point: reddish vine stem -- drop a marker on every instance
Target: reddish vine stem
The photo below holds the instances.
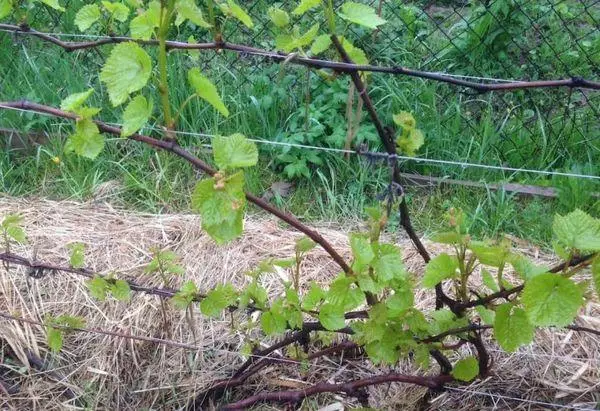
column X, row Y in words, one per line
column 85, row 272
column 219, row 387
column 508, row 292
column 352, row 388
column 173, row 147
column 574, row 82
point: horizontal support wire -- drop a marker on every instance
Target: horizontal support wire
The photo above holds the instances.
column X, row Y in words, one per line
column 154, row 340
column 367, row 154
column 295, row 58
column 522, row 400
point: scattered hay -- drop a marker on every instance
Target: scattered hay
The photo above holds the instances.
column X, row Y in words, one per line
column 107, row 372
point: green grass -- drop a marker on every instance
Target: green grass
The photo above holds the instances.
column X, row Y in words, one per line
column 269, row 102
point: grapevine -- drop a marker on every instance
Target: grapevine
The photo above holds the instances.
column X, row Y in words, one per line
column 371, row 301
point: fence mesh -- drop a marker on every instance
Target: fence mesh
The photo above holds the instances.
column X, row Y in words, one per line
column 484, row 40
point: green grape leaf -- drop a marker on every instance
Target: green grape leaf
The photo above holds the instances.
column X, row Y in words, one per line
column 126, row 70
column 512, row 328
column 239, row 13
column 53, row 4
column 218, row 299
column 119, row 11
column 487, row 316
column 400, row 301
column 181, row 301
column 206, row 90
column 313, row 297
column 361, row 249
column 87, row 140
column 444, row 320
column 194, row 54
column 189, row 288
column 361, row 14
column 343, row 294
column 525, row 267
column 234, row 151
column 188, row 10
column 69, row 321
column 308, row 37
column 305, row 5
column 422, row 356
column 16, row 233
column 289, row 42
column 98, row 287
column 332, row 317
column 367, row 284
column 86, row 16
column 143, row 26
column 294, row 318
column 382, row 351
column 136, row 114
column 74, row 101
column 254, row 292
column 492, row 255
column 551, row 300
column 278, row 16
column 596, row 274
column 389, row 265
column 411, row 142
column 438, row 269
column 489, row 281
column 304, row 245
column 184, row 297
column 54, row 337
column 11, row 224
column 560, row 250
column 466, row 369
column 448, row 237
column 357, row 55
column 320, row 44
column 120, row 290
column 291, row 297
column 273, row 321
column 77, row 257
column 5, row 8
column 577, row 230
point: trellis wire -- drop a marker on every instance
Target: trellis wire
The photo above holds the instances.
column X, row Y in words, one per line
column 155, row 340
column 523, row 400
column 549, row 356
column 461, row 164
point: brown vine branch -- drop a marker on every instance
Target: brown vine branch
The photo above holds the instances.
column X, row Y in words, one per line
column 85, row 272
column 343, row 67
column 386, row 137
column 173, row 147
column 503, row 294
column 219, row 387
column 351, row 388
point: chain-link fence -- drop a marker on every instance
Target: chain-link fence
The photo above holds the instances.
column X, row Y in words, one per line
column 495, row 41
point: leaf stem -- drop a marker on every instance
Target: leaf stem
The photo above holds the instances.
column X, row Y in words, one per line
column 330, row 13
column 163, row 86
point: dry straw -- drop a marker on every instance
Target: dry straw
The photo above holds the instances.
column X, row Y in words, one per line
column 107, row 372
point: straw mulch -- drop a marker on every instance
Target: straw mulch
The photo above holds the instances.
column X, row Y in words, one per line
column 103, row 372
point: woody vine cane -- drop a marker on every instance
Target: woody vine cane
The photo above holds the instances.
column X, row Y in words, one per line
column 372, row 299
